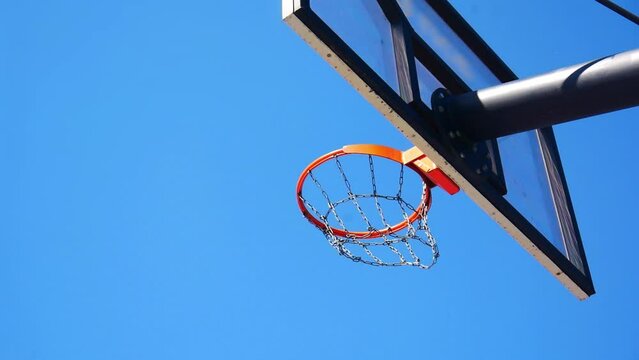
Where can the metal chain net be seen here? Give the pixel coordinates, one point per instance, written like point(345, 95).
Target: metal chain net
point(378, 249)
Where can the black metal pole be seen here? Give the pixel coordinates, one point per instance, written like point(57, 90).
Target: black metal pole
point(619, 10)
point(596, 87)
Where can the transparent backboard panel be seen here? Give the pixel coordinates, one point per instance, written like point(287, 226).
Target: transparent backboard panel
point(436, 33)
point(428, 83)
point(525, 175)
point(371, 39)
point(524, 171)
point(528, 186)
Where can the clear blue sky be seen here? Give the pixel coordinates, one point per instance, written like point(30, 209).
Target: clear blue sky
point(149, 153)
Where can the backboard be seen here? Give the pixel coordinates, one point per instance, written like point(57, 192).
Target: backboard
point(397, 53)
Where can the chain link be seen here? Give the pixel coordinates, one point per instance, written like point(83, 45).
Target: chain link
point(352, 197)
point(375, 195)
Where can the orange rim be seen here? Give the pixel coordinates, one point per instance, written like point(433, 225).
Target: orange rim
point(373, 150)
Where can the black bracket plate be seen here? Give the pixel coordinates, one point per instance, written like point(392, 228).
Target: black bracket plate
point(481, 156)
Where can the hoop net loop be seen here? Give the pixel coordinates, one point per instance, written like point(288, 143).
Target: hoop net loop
point(374, 238)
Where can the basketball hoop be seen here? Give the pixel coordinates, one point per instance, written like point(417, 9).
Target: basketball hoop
point(377, 241)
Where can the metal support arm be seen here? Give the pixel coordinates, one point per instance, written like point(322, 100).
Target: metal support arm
point(595, 87)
